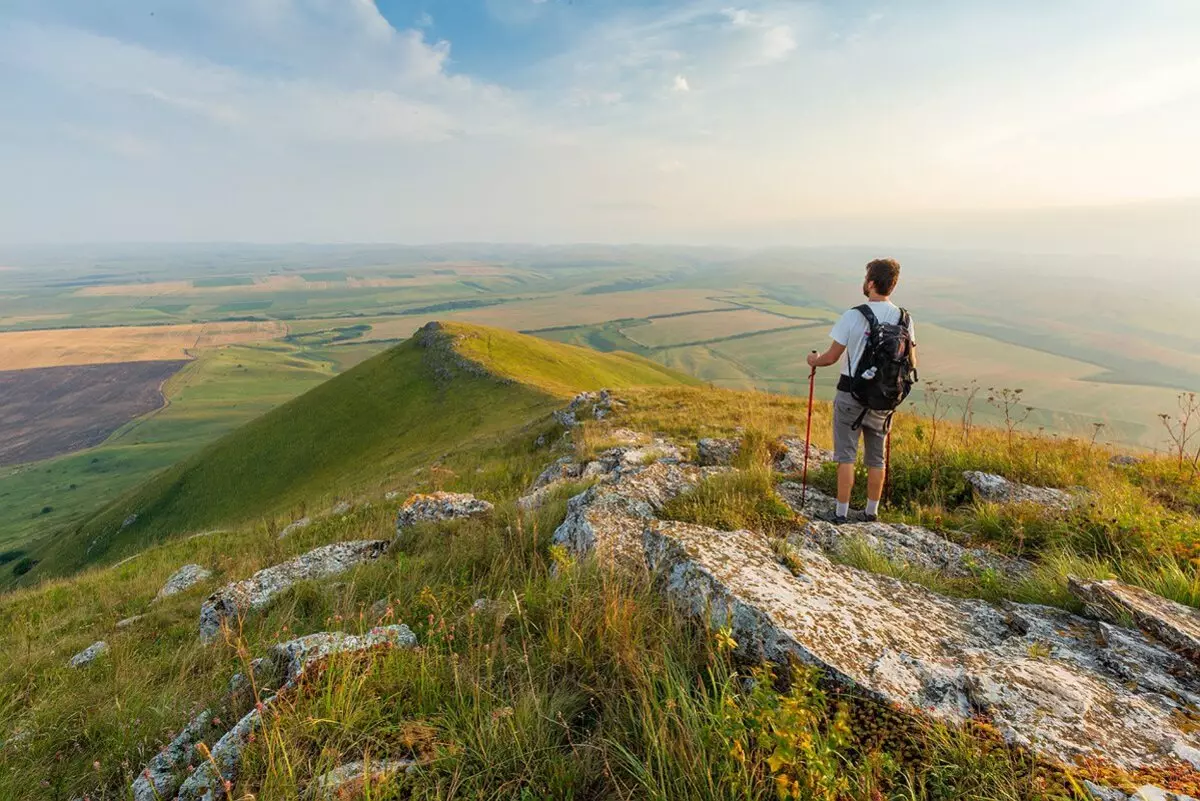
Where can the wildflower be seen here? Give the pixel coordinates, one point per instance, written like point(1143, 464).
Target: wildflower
point(96, 765)
point(724, 639)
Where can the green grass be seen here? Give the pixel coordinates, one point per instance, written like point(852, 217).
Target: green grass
point(213, 395)
point(390, 415)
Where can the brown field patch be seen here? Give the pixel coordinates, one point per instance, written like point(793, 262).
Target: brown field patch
point(669, 331)
point(149, 289)
point(20, 350)
point(49, 411)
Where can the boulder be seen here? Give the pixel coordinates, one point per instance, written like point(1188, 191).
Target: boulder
point(997, 489)
point(910, 545)
point(182, 579)
point(89, 655)
point(294, 526)
point(348, 781)
point(1061, 685)
point(1043, 678)
point(438, 506)
point(293, 660)
point(715, 451)
point(790, 456)
point(607, 519)
point(1173, 624)
point(1124, 460)
point(256, 592)
point(129, 621)
point(162, 776)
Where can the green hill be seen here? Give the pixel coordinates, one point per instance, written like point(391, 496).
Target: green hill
point(451, 389)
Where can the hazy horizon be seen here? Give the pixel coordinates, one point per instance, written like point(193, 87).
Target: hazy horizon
point(1023, 127)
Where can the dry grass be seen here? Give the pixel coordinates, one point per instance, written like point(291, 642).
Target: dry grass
point(20, 350)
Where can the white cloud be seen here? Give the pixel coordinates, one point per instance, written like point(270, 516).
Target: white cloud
point(680, 84)
point(424, 20)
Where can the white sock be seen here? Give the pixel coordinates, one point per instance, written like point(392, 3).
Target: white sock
point(872, 507)
point(843, 509)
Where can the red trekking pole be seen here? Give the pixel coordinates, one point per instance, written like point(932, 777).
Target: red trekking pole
point(812, 383)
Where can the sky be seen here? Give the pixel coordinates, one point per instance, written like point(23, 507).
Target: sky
point(1068, 125)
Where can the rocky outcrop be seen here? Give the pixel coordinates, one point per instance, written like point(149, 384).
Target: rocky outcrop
point(183, 579)
point(997, 489)
point(608, 518)
point(438, 506)
point(1064, 686)
point(717, 451)
point(293, 661)
point(1044, 678)
point(348, 781)
point(256, 592)
point(598, 403)
point(294, 526)
point(789, 456)
point(1173, 624)
point(160, 778)
point(89, 655)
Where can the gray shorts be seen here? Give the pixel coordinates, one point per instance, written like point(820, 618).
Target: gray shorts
point(845, 437)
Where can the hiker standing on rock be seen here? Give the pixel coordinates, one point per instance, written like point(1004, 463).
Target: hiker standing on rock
point(877, 375)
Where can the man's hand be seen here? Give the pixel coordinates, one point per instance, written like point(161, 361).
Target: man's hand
point(831, 356)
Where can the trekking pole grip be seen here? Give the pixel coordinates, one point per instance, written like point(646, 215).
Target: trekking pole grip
point(813, 372)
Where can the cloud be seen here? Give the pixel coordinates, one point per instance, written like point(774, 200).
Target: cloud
point(680, 84)
point(776, 40)
point(424, 20)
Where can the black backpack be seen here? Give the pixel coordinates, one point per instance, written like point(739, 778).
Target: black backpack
point(885, 373)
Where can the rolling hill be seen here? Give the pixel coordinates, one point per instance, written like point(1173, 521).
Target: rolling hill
point(452, 389)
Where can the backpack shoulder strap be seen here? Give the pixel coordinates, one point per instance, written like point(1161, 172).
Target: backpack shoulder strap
point(865, 311)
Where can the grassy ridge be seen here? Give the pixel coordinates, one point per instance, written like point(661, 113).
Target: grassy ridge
point(389, 415)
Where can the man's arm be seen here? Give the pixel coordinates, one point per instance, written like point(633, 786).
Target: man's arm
point(829, 357)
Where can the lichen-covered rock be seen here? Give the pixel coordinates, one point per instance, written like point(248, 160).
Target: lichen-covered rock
point(125, 623)
point(790, 456)
point(183, 579)
point(292, 660)
point(437, 506)
point(911, 545)
point(1064, 686)
point(811, 503)
point(1173, 624)
point(340, 508)
point(607, 519)
point(1124, 460)
point(162, 776)
point(294, 526)
point(1042, 677)
point(89, 655)
point(257, 591)
point(716, 451)
point(348, 781)
point(997, 489)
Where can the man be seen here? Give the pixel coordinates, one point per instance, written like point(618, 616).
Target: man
point(850, 417)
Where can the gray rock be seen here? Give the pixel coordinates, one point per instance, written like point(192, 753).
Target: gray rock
point(1102, 793)
point(997, 489)
point(713, 451)
point(341, 508)
point(347, 781)
point(129, 521)
point(607, 519)
point(1124, 460)
point(1173, 624)
point(1045, 679)
point(256, 592)
point(183, 579)
point(564, 468)
point(294, 526)
point(438, 506)
point(129, 621)
point(1149, 792)
point(292, 660)
point(164, 773)
point(790, 458)
point(89, 655)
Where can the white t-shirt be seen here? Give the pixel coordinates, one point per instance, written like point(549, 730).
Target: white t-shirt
point(851, 330)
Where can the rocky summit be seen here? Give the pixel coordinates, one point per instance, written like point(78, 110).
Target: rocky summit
point(1066, 687)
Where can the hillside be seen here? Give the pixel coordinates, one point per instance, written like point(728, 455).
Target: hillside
point(640, 603)
point(440, 396)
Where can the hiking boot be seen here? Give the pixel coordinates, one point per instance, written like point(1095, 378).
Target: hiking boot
point(840, 520)
point(871, 518)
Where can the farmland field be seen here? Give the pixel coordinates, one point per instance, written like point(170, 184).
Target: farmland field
point(63, 346)
point(694, 328)
point(49, 411)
